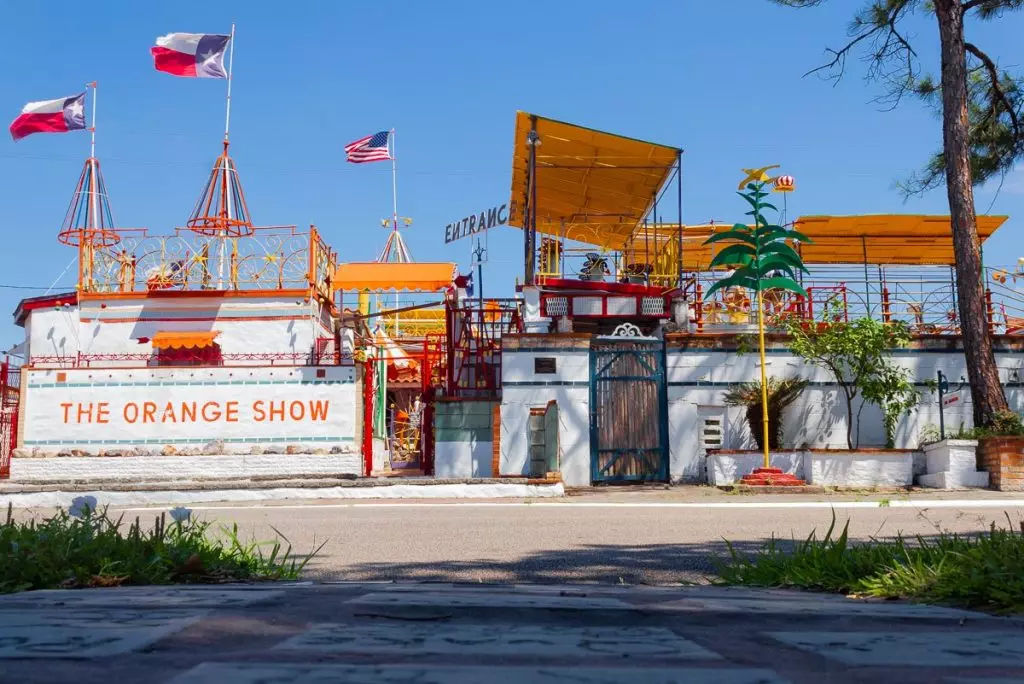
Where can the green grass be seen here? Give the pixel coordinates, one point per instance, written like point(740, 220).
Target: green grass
point(983, 572)
point(84, 547)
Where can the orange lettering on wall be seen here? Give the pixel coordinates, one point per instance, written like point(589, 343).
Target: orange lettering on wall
point(67, 409)
point(84, 410)
point(168, 416)
point(211, 412)
point(297, 410)
point(276, 411)
point(231, 412)
point(103, 412)
point(188, 411)
point(130, 412)
point(148, 412)
point(258, 414)
point(318, 409)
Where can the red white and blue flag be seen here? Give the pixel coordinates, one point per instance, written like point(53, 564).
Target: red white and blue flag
point(193, 55)
point(369, 149)
point(50, 116)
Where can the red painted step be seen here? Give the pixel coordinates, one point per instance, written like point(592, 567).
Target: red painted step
point(773, 477)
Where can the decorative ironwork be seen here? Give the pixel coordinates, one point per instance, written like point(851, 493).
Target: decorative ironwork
point(89, 220)
point(627, 330)
point(269, 259)
point(10, 396)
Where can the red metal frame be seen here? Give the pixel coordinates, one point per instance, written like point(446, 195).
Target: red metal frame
point(474, 344)
point(10, 398)
point(368, 417)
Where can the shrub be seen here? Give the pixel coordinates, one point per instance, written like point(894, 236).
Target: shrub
point(781, 393)
point(84, 547)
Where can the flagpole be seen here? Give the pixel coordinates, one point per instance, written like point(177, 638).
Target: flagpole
point(93, 181)
point(231, 63)
point(394, 208)
point(224, 161)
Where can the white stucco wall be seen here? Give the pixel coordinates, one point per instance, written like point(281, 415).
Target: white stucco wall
point(463, 459)
point(818, 418)
point(188, 407)
point(522, 389)
point(52, 332)
point(276, 325)
point(202, 467)
point(698, 380)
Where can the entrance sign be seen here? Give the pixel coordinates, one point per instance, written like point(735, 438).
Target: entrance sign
point(476, 223)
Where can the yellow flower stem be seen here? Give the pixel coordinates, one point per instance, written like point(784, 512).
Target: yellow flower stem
point(764, 380)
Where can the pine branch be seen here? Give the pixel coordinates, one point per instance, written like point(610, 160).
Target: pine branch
point(999, 95)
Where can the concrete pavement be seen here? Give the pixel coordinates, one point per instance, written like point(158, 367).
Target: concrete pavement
point(386, 633)
point(612, 537)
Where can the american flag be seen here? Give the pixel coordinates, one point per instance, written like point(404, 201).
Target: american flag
point(369, 149)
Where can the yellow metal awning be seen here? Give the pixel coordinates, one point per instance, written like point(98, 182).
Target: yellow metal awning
point(375, 276)
point(883, 239)
point(593, 187)
point(184, 340)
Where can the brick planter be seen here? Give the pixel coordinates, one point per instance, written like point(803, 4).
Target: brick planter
point(1003, 458)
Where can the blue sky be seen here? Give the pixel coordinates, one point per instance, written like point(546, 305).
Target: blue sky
point(723, 80)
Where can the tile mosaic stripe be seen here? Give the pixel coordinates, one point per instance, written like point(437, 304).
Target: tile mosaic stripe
point(184, 440)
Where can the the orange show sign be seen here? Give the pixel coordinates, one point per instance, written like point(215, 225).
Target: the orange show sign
point(203, 412)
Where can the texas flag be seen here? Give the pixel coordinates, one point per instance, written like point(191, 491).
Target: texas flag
point(194, 55)
point(50, 116)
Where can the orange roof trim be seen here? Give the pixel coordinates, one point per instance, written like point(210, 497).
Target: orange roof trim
point(184, 340)
point(374, 276)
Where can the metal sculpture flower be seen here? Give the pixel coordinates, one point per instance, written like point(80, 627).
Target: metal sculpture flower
point(763, 260)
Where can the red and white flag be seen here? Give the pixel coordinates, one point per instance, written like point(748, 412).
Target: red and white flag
point(193, 55)
point(50, 116)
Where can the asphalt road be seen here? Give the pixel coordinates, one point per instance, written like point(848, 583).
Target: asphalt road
point(633, 540)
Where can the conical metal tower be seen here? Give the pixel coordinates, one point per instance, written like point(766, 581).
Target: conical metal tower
point(395, 249)
point(221, 210)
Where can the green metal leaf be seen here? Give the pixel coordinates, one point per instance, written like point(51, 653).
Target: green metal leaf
point(781, 283)
point(796, 235)
point(741, 278)
point(774, 263)
point(740, 235)
point(740, 253)
point(785, 253)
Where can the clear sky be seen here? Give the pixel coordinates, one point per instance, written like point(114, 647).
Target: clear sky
point(721, 79)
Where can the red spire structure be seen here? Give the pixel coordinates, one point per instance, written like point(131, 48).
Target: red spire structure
point(221, 210)
point(395, 249)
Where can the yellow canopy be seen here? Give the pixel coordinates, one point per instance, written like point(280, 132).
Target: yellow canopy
point(884, 239)
point(184, 340)
point(376, 276)
point(593, 187)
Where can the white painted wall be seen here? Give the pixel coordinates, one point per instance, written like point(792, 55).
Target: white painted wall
point(52, 332)
point(237, 402)
point(701, 378)
point(205, 467)
point(522, 390)
point(463, 459)
point(275, 325)
point(818, 418)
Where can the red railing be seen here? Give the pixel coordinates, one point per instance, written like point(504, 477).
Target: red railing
point(10, 396)
point(474, 345)
point(326, 354)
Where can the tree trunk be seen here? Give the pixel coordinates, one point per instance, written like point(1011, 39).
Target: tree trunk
point(849, 420)
point(986, 390)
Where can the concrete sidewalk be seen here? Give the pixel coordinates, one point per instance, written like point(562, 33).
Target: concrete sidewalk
point(377, 633)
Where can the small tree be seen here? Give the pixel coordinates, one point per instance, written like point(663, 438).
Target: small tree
point(781, 393)
point(855, 353)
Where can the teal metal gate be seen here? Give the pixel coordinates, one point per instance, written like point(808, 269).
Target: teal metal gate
point(628, 411)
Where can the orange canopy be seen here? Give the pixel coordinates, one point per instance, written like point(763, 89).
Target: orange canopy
point(184, 340)
point(375, 276)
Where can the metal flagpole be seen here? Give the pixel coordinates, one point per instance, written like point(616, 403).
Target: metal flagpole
point(231, 62)
point(224, 161)
point(93, 181)
point(394, 207)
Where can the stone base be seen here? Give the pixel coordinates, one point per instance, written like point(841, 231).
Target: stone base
point(771, 477)
point(954, 480)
